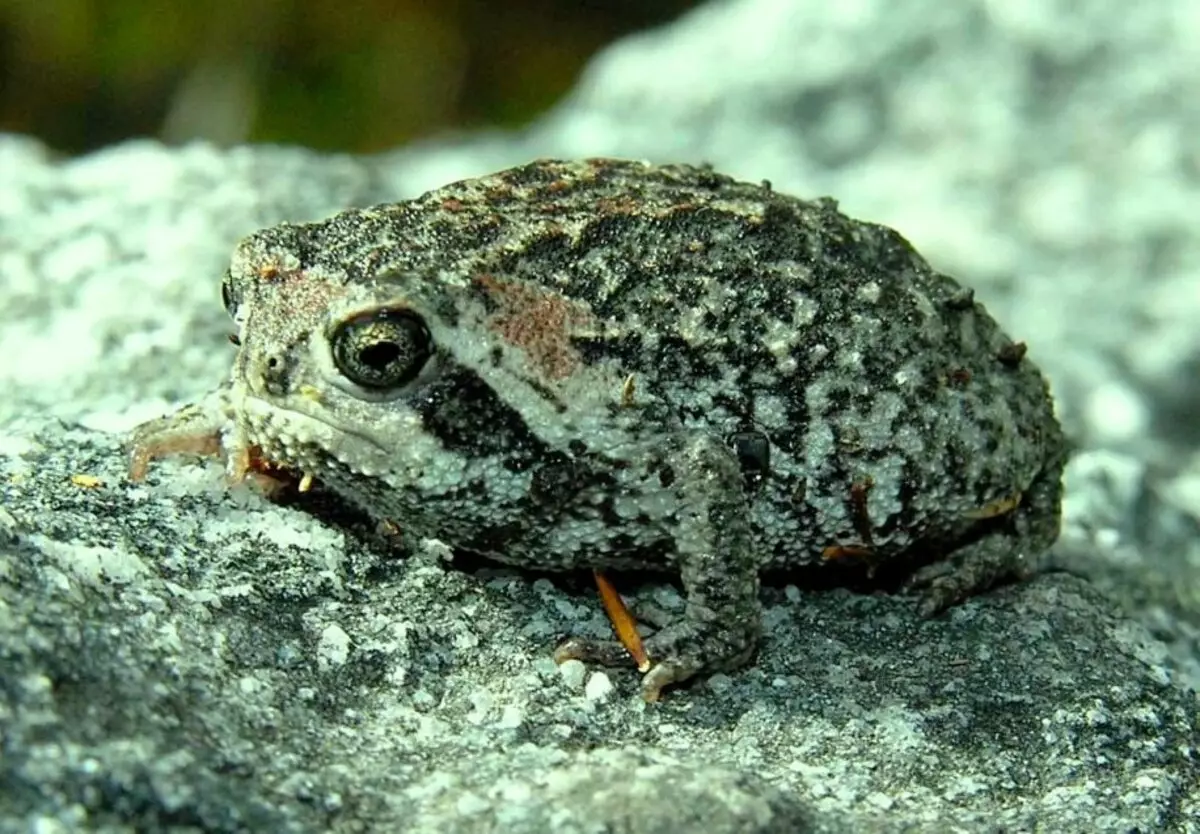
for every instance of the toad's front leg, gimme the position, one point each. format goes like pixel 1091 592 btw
pixel 721 625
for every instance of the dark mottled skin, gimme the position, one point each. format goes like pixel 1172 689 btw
pixel 647 367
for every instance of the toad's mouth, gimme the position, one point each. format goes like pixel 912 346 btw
pixel 294 438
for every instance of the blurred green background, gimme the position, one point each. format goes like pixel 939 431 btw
pixel 354 76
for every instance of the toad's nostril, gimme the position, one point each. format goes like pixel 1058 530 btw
pixel 276 375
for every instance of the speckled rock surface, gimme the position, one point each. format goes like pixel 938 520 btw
pixel 173 655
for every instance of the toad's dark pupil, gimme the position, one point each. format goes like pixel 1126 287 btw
pixel 379 355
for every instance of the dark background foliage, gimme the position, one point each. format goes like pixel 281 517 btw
pixel 355 75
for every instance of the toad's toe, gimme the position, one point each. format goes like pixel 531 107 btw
pixel 589 650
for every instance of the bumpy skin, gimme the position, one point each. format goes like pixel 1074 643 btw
pixel 616 365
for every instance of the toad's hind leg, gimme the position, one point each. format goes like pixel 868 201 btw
pixel 718 567
pixel 1012 550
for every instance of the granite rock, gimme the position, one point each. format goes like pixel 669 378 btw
pixel 178 656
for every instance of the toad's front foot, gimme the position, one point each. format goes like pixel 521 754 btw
pixel 676 653
pixel 714 551
pixel 715 554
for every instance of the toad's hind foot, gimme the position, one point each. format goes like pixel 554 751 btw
pixel 1011 550
pixel 970 570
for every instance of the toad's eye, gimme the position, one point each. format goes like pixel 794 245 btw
pixel 381 349
pixel 227 297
